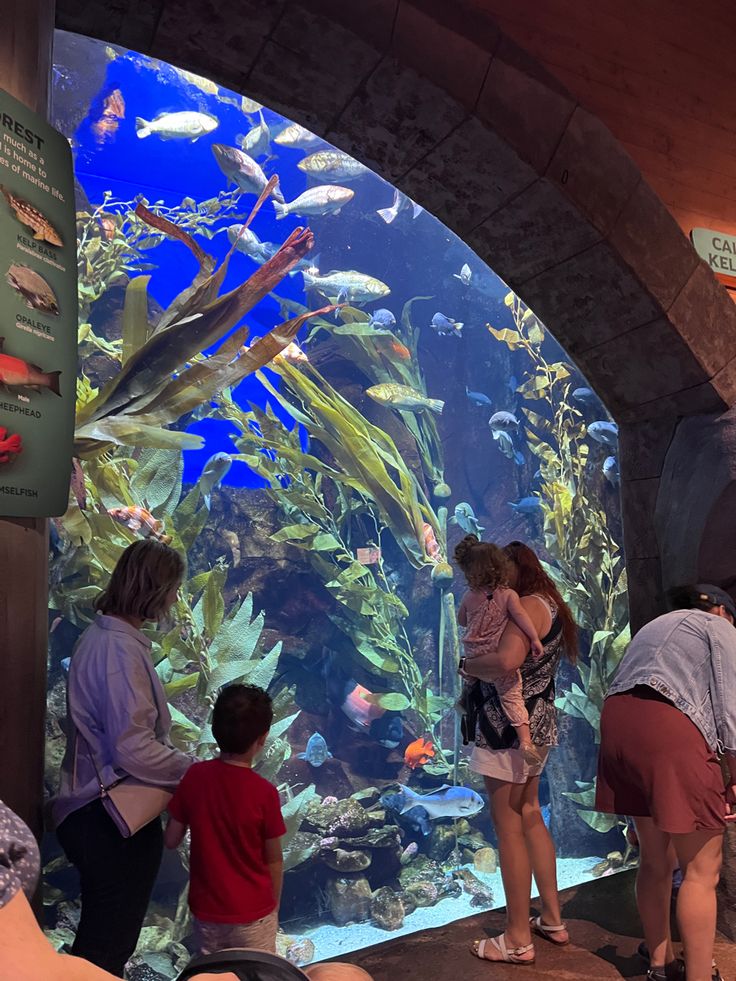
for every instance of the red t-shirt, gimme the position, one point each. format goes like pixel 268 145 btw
pixel 231 812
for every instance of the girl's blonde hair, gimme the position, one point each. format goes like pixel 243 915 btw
pixel 484 564
pixel 142 580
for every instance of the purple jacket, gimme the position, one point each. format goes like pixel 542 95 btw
pixel 116 712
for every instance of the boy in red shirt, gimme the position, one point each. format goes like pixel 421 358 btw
pixel 236 863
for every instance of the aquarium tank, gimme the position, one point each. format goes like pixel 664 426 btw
pixel 313 389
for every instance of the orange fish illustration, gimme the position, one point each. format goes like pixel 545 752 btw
pixel 17 373
pixel 418 753
pixel 138 519
pixel 431 546
pixel 10 446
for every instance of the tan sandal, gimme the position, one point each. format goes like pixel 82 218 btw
pixel 549 932
pixel 509 955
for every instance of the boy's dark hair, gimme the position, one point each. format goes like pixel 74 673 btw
pixel 241 715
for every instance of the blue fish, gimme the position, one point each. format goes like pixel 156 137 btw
pixel 604 432
pixel 446 326
pixel 585 396
pixel 388 730
pixel 446 802
pixel 610 471
pixel 416 818
pixel 527 505
pixel 66 663
pixel 316 752
pixel 382 318
pixel 478 397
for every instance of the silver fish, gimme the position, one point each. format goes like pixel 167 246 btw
pixel 257 141
pixel 355 286
pixel 214 471
pixel 242 170
pixel 503 422
pixel 465 275
pixel 177 126
pixel 332 165
pixel 464 516
pixel 446 802
pixel 327 199
pixel 400 203
pixel 298 138
pixel 610 471
pixel 604 432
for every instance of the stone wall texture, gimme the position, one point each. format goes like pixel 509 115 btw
pixel 433 96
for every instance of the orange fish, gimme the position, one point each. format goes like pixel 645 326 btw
pixel 21 374
pixel 431 546
pixel 138 519
pixel 113 111
pixel 419 753
pixel 400 350
pixel 10 446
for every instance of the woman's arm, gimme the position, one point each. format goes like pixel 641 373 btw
pixel 522 619
pixel 513 646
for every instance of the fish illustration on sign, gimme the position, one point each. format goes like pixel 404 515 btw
pixel 446 802
pixel 316 752
pixel 27 214
pixel 403 397
pixel 177 126
pixel 36 292
pixel 139 519
pixel 16 373
pixel 10 445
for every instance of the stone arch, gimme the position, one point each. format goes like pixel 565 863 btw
pixel 437 100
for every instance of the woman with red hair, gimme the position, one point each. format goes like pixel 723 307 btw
pixel 512 782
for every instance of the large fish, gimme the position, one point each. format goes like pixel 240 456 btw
pixel 16 373
pixel 177 126
pixel 503 422
pixel 298 138
pixel 506 446
pixel 332 165
pixel 403 397
pixel 214 471
pixel 604 432
pixel 353 287
pixel 327 199
pixel 465 518
pixel 447 802
pixel 36 220
pixel 357 704
pixel 247 242
pixel 242 170
pixel 316 752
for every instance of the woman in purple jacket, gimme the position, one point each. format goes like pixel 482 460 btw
pixel 117 727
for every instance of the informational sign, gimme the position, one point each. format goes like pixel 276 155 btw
pixel 38 314
pixel 719 251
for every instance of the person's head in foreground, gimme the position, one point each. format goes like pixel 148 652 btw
pixel 144 583
pixel 241 720
pixel 705 597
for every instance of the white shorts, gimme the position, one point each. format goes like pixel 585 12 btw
pixel 507 765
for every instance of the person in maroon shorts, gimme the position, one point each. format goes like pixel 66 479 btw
pixel 668 713
pixel 236 826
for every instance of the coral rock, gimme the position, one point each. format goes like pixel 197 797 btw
pixel 422 869
pixel 485 860
pixel 350 819
pixel 387 909
pixel 482 895
pixel 441 842
pixel 386 837
pixel 423 893
pixel 349 899
pixel 345 861
pixel 300 951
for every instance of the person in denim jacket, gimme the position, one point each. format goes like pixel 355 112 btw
pixel 668 715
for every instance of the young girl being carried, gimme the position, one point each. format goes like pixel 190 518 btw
pixel 484 611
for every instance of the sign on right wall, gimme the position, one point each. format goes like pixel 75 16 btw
pixel 719 251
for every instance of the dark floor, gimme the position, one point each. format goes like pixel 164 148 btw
pixel 603 924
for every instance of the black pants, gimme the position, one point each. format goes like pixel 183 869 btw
pixel 117 876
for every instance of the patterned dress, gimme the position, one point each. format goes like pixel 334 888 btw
pixel 491 726
pixel 19 858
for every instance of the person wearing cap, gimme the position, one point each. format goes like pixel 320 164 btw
pixel 669 713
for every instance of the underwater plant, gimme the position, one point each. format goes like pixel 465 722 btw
pixel 585 560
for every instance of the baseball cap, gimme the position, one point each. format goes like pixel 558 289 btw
pixel 716 597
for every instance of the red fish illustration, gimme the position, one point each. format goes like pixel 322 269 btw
pixel 138 519
pixel 17 373
pixel 10 446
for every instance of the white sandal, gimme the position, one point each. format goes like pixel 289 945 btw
pixel 548 932
pixel 509 955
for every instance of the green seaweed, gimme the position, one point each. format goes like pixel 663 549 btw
pixel 585 560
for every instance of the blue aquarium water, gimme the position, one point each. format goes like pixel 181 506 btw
pixel 317 475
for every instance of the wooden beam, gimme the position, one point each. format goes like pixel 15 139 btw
pixel 26 43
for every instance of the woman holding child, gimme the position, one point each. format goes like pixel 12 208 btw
pixel 511 747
